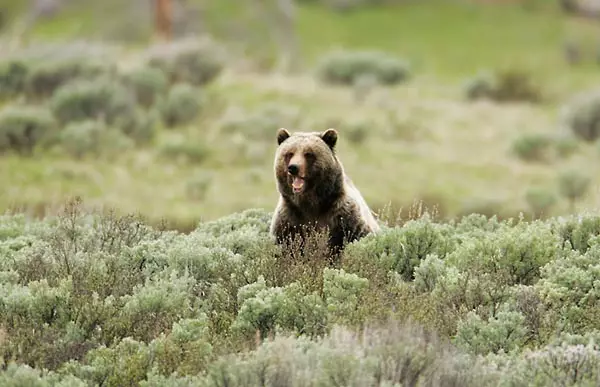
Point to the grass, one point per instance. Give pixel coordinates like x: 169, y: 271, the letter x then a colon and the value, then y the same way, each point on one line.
x: 441, y: 39
x: 448, y: 149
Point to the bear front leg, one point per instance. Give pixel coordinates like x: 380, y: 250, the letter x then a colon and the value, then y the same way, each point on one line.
x: 281, y: 225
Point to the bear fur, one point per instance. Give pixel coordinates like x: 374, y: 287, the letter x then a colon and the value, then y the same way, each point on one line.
x: 314, y: 190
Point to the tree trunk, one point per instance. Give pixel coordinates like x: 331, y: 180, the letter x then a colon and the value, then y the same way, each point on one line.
x: 163, y: 14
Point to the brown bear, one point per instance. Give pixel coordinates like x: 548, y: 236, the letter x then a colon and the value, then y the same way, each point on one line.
x: 315, y: 191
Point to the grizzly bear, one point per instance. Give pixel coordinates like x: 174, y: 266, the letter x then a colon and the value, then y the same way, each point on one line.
x: 314, y: 191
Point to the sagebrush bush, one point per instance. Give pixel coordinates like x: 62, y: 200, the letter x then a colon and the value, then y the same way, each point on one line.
x: 567, y: 291
x: 81, y: 138
x: 399, y: 249
x: 181, y: 106
x: 23, y: 127
x: 102, y: 99
x: 148, y: 83
x: 138, y: 124
x: 479, y: 86
x: 290, y: 308
x: 504, y: 85
x: 532, y: 147
x: 197, y: 62
x: 45, y: 77
x: 90, y: 137
x: 540, y: 200
x: 573, y: 185
x: 13, y: 77
x: 516, y: 85
x: 504, y: 332
x: 576, y: 233
x: 346, y: 67
x: 582, y: 115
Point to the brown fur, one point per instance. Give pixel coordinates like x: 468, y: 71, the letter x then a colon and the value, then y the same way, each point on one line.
x: 329, y: 200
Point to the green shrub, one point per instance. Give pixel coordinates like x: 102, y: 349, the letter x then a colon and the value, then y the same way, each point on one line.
x: 506, y: 332
x: 106, y: 101
x: 13, y: 76
x: 573, y: 185
x: 390, y: 355
x: 532, y: 147
x: 14, y: 374
x: 197, y: 62
x: 480, y: 86
x: 101, y: 99
x: 265, y: 308
x: 540, y: 200
x: 563, y: 365
x: 345, y: 68
x: 24, y: 127
x: 81, y: 138
x: 514, y: 254
x: 139, y: 125
x: 343, y: 293
x: 398, y: 249
x: 577, y: 233
x: 504, y: 85
x: 181, y: 106
x: 148, y: 84
x: 45, y: 77
x: 567, y: 290
x: 582, y: 116
x: 516, y: 85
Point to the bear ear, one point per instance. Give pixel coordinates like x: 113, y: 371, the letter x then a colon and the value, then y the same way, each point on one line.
x: 330, y: 137
x: 282, y: 135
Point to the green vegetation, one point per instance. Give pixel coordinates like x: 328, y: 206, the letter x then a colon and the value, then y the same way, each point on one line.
x: 97, y: 298
x: 460, y: 106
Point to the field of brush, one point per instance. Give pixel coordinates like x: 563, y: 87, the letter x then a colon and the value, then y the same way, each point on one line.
x: 97, y: 299
x: 470, y: 127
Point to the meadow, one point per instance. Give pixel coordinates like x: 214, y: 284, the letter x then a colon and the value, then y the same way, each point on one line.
x: 422, y: 138
x: 137, y: 185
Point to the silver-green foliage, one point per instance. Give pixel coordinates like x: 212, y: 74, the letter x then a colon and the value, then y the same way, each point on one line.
x: 103, y: 299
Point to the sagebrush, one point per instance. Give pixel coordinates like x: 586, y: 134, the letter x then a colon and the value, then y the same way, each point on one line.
x: 90, y: 297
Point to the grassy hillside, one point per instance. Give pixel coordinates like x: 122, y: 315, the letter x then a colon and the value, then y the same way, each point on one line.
x: 421, y: 139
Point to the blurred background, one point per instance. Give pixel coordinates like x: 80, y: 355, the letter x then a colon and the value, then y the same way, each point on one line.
x: 169, y: 108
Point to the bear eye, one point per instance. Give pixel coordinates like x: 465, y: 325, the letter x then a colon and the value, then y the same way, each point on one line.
x: 309, y: 155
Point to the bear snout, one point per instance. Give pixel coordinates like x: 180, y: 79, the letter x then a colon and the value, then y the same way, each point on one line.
x: 293, y: 169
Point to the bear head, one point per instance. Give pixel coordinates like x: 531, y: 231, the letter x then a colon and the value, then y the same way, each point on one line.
x: 307, y: 170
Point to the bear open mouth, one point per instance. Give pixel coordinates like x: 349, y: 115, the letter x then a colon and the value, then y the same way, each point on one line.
x: 297, y: 184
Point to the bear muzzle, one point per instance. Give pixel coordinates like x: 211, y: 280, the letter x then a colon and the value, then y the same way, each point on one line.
x: 297, y: 180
